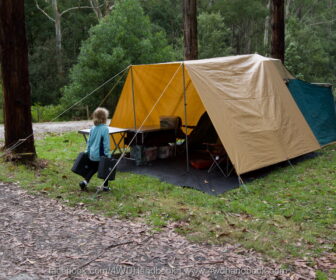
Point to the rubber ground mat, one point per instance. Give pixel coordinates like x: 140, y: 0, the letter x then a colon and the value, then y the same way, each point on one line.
x: 174, y: 171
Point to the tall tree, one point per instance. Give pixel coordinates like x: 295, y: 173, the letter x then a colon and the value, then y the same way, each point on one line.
x: 124, y: 37
x: 267, y: 27
x: 101, y: 9
x: 45, y: 81
x: 213, y: 35
x: 15, y: 79
x: 56, y: 19
x: 190, y: 29
x: 278, y: 30
x: 167, y: 14
x: 246, y: 23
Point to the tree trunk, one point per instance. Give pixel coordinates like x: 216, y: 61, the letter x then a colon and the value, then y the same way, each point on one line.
x: 15, y: 77
x: 266, y: 30
x: 109, y: 4
x: 248, y: 34
x: 58, y: 34
x: 278, y: 30
x: 96, y: 9
x: 190, y: 29
x: 288, y: 3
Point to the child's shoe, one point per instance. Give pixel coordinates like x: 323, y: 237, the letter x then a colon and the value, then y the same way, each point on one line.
x: 83, y: 185
x: 106, y: 189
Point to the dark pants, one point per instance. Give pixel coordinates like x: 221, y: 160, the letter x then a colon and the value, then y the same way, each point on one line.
x: 93, y: 168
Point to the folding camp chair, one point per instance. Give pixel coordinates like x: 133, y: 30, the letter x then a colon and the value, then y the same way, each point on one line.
x: 220, y: 159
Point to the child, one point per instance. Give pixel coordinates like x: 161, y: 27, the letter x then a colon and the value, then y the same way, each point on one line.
x: 98, y: 145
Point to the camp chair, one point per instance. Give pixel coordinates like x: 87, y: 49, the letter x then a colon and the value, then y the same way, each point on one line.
x: 219, y: 157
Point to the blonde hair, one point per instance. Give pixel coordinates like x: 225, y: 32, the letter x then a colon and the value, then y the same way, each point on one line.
x: 100, y: 116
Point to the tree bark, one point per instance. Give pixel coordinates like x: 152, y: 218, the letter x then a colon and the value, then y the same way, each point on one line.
x: 57, y: 20
x: 190, y: 29
x: 58, y: 36
x: 287, y: 10
x: 278, y: 30
x: 96, y: 9
x: 15, y: 77
x: 266, y: 30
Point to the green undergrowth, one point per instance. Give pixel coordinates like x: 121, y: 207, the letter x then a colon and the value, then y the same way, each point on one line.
x: 287, y: 214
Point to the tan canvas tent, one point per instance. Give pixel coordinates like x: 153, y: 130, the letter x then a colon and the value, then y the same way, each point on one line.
x: 254, y: 114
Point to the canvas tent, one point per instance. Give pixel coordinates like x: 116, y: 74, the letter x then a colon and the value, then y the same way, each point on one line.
x: 246, y: 97
x: 316, y: 103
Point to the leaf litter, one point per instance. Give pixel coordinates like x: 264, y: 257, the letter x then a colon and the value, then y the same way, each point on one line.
x: 40, y: 238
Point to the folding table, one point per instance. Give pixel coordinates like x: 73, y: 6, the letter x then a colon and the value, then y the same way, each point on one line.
x: 112, y: 131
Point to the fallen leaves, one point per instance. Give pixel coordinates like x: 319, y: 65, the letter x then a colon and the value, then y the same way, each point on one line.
x: 43, y: 238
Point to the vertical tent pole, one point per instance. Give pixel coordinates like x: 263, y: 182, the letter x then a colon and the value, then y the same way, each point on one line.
x: 185, y: 117
x: 133, y: 101
x: 134, y: 114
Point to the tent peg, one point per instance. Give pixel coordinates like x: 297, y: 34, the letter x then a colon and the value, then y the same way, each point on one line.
x: 242, y: 184
x: 289, y: 162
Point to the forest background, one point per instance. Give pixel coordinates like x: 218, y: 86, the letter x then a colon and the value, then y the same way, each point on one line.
x: 76, y: 45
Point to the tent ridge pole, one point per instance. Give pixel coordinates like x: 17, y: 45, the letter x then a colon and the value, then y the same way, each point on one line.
x: 185, y: 116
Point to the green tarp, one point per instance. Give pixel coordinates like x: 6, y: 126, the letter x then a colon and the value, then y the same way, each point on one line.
x: 317, y: 106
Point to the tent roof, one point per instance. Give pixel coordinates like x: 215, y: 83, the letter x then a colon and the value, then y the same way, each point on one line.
x: 255, y: 58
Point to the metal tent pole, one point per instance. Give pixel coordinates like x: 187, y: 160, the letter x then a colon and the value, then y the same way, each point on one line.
x: 133, y: 100
x: 185, y: 117
x: 134, y: 114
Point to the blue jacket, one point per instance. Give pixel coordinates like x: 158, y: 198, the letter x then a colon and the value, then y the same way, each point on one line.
x: 98, y: 143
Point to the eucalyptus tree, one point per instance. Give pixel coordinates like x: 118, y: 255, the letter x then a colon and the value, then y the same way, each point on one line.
x: 278, y: 29
x: 213, y: 36
x: 43, y: 56
x: 167, y: 15
x: 124, y: 37
x: 190, y: 29
x: 310, y: 39
x: 56, y: 17
x: 15, y: 80
x: 246, y: 22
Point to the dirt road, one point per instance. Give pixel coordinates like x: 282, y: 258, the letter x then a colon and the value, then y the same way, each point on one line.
x: 54, y: 127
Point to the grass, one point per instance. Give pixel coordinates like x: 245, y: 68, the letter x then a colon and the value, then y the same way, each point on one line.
x: 288, y: 214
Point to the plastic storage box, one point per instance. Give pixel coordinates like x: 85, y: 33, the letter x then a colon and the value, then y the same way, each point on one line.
x: 150, y: 153
x: 168, y: 121
x: 164, y: 152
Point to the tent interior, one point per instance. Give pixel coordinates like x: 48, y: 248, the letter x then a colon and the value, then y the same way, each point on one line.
x: 239, y: 103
